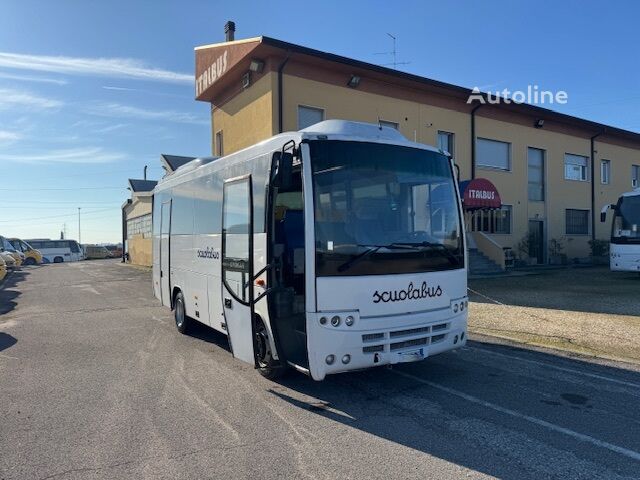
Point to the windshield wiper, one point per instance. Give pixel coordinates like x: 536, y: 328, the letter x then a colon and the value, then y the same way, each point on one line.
x: 371, y: 249
x: 434, y: 245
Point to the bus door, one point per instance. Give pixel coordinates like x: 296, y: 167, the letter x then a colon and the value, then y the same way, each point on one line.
x: 237, y: 266
x: 165, y: 228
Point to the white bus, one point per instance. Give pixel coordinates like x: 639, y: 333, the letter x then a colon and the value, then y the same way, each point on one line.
x: 624, y: 252
x: 58, y: 251
x: 336, y: 248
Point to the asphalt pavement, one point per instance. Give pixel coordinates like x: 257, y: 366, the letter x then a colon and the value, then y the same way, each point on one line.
x: 95, y: 382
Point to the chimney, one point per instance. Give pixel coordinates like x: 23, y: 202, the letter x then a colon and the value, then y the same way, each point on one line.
x: 229, y: 31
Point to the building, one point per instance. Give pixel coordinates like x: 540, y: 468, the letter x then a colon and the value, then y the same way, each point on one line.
x: 137, y: 214
x: 136, y: 223
x: 538, y: 177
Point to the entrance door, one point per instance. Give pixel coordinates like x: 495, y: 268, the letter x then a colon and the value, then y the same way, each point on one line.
x: 165, y: 229
x: 536, y: 240
x: 237, y: 266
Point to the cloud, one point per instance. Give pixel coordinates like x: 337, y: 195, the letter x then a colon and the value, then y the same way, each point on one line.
x: 31, y: 78
x: 127, y: 111
x: 9, y: 137
x: 86, y: 155
x: 12, y: 98
x: 104, y: 67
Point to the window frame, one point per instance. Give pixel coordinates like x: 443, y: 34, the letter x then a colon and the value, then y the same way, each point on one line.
x: 635, y: 176
x: 309, y: 107
x: 492, y: 167
x: 566, y: 223
x: 389, y: 123
x: 452, y: 140
x: 586, y: 167
x: 543, y: 174
x: 604, y: 162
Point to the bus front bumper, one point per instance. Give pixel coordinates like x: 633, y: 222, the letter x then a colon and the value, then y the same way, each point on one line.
x: 372, y: 342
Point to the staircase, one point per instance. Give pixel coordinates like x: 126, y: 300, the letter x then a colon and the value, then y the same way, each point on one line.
x: 481, y: 265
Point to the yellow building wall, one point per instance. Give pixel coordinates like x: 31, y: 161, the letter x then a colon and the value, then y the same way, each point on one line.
x: 246, y: 119
x: 140, y: 251
x: 416, y: 121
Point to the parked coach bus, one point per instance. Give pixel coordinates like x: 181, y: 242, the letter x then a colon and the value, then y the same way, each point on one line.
x: 58, y: 251
x: 339, y: 247
x: 624, y: 250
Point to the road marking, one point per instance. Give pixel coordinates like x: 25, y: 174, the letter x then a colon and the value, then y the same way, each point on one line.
x: 537, y: 421
x: 484, y: 296
x: 562, y: 369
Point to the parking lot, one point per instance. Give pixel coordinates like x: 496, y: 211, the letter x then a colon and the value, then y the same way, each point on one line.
x: 96, y: 383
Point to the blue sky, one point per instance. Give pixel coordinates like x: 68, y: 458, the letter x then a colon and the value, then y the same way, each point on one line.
x: 90, y: 92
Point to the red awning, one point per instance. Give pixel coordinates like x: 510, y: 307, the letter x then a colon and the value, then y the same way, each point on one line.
x: 479, y: 193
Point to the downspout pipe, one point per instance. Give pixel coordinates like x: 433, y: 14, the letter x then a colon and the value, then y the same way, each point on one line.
x: 593, y: 184
x: 473, y: 140
x: 280, y: 92
x: 124, y: 230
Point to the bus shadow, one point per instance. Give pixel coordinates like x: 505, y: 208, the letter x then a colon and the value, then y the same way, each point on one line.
x: 7, y: 294
x: 395, y: 406
x: 205, y: 333
x: 6, y: 341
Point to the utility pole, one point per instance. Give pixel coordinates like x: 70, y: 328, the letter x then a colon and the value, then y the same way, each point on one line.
x: 79, y: 234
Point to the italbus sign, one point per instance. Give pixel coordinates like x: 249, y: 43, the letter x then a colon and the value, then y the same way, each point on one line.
x: 479, y: 193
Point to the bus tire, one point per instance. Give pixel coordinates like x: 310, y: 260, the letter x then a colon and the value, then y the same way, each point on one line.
x: 267, y: 365
x: 180, y: 314
x: 58, y: 260
x: 29, y: 261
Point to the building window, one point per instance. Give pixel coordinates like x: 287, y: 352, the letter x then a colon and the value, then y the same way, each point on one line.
x: 635, y: 176
x: 139, y: 226
x: 219, y: 144
x: 577, y: 222
x: 575, y: 167
x: 493, y: 154
x: 308, y: 116
x: 446, y: 142
x: 605, y: 172
x: 385, y: 123
x: 535, y: 162
x: 496, y: 221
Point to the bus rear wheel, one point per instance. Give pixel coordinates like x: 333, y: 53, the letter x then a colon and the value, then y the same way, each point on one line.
x: 267, y: 365
x: 58, y: 260
x: 29, y: 261
x: 180, y: 314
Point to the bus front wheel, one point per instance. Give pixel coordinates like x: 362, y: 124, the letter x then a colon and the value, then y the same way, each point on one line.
x: 58, y: 260
x: 180, y: 314
x: 267, y: 365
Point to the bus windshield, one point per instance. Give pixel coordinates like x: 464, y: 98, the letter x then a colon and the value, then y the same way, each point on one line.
x: 626, y: 223
x: 383, y: 209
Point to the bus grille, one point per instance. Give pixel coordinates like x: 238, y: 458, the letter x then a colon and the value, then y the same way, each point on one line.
x: 413, y: 337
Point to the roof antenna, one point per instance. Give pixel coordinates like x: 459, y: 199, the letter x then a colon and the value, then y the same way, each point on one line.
x: 394, y: 54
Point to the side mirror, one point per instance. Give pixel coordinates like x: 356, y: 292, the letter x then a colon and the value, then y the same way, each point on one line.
x: 457, y: 167
x: 283, y: 176
x: 603, y: 212
x: 603, y: 216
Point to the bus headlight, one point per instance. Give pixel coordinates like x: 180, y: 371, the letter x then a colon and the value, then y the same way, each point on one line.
x: 349, y: 320
x: 330, y: 359
x: 323, y: 320
x: 335, y: 320
x: 346, y: 358
x: 455, y: 308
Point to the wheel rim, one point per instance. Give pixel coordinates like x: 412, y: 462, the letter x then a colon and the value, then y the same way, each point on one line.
x: 179, y: 313
x: 262, y: 344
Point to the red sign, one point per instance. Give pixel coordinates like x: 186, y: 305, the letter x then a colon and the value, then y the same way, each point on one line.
x: 480, y: 193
